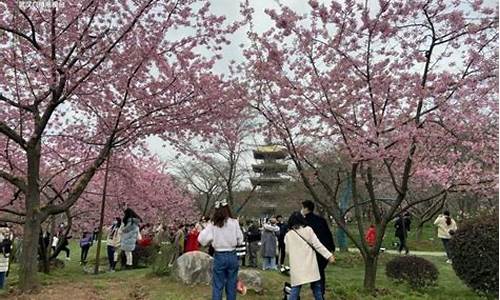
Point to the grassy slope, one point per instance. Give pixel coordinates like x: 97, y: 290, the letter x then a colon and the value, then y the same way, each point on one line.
x: 344, y: 281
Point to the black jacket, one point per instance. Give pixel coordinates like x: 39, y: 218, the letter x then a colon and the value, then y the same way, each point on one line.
x: 283, y: 230
x: 253, y: 234
x: 322, y: 231
x: 402, y: 226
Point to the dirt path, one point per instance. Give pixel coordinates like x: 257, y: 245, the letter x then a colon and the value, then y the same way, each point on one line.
x: 88, y: 291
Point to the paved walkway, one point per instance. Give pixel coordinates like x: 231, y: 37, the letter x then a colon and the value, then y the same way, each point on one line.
x: 417, y: 253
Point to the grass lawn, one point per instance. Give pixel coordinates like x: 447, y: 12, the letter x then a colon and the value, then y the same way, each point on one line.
x: 345, y: 280
x: 428, y: 239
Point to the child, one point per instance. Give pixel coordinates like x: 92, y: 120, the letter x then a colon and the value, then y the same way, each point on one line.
x: 371, y: 236
x: 85, y: 243
x: 55, y: 240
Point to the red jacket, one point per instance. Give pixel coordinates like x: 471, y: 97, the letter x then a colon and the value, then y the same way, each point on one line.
x: 192, y: 241
x: 371, y: 236
x: 145, y: 241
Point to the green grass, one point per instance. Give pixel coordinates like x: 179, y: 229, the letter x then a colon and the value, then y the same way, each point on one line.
x: 345, y: 280
x: 428, y: 239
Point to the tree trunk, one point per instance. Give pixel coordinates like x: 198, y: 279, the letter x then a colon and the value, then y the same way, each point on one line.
x: 418, y: 232
x: 101, y: 219
x: 370, y: 272
x: 28, y: 272
x: 44, y: 254
x: 207, y: 201
x: 342, y: 240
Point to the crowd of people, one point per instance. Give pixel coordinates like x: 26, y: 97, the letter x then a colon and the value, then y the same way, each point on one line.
x: 305, y: 239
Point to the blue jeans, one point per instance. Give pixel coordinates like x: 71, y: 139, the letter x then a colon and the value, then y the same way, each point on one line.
x: 225, y: 274
x: 2, y: 279
x: 446, y: 247
x: 269, y: 263
x: 315, y: 287
x: 111, y: 257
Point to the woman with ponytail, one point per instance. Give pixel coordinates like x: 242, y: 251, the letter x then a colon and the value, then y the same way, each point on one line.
x: 446, y: 229
x: 224, y: 233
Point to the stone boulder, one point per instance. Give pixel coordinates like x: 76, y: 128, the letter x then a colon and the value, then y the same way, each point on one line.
x: 252, y: 279
x: 194, y: 267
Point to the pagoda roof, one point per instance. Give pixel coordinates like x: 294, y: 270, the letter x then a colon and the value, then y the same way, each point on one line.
x: 270, y: 151
x: 267, y: 181
x: 270, y: 167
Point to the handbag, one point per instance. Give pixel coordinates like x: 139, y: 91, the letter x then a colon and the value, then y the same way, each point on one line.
x: 241, y: 288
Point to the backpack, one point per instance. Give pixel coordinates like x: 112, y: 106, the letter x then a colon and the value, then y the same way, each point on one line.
x: 253, y: 234
x: 5, y: 247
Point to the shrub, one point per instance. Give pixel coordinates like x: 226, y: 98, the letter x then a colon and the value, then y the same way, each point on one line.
x: 417, y: 271
x: 145, y: 255
x: 161, y: 259
x: 474, y: 252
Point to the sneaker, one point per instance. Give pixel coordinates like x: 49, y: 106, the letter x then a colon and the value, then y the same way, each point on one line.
x: 448, y: 261
x: 68, y: 258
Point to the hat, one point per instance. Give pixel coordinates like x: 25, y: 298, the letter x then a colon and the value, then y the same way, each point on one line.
x: 220, y: 203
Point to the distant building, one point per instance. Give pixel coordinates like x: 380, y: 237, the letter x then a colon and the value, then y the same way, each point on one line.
x: 269, y: 182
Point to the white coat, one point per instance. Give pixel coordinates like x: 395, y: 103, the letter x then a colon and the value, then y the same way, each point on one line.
x: 4, y: 258
x: 4, y: 263
x: 303, y: 264
x: 443, y: 228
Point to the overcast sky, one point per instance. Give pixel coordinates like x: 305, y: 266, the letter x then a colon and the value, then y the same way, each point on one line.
x: 262, y: 22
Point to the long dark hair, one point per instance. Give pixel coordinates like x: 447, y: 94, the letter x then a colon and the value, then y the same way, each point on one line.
x: 114, y: 228
x: 221, y: 215
x: 118, y: 222
x: 448, y: 218
x: 129, y: 214
x: 296, y: 220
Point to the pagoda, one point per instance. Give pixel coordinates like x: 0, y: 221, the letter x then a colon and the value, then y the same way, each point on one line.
x: 269, y: 180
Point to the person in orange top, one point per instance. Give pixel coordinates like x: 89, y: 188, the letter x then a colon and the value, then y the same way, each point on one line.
x: 371, y: 236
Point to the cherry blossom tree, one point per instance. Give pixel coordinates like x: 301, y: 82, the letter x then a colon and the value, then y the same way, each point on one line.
x: 214, y: 166
x: 403, y: 93
x: 80, y: 79
x: 141, y: 184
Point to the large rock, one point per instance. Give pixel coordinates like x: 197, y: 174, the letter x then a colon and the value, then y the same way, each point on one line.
x: 194, y: 267
x: 252, y: 280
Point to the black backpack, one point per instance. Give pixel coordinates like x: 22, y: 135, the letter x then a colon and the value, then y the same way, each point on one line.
x: 5, y: 247
x: 253, y: 234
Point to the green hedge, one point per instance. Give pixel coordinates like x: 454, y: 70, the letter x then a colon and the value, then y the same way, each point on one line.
x: 417, y: 271
x: 474, y: 252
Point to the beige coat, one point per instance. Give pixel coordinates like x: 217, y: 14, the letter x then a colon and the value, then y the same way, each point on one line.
x: 443, y: 228
x: 303, y: 263
x: 115, y: 240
